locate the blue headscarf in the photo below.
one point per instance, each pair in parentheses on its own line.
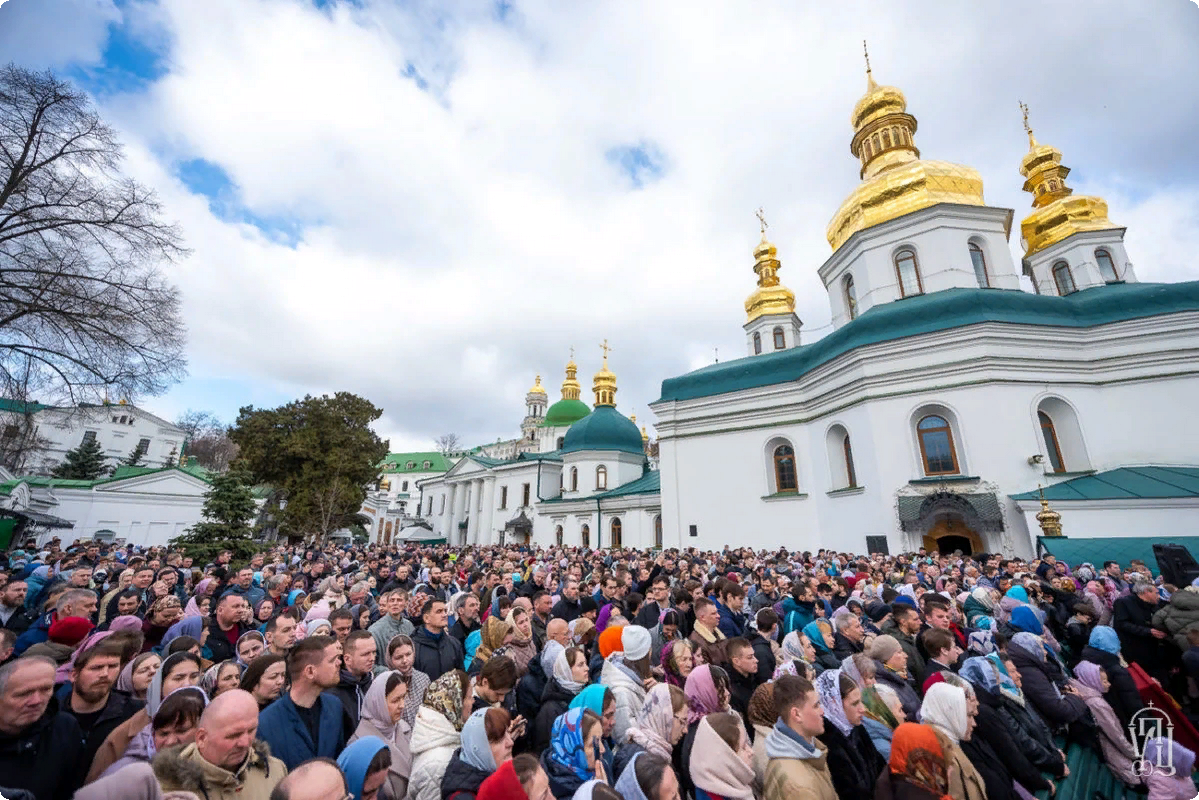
(591,697)
(476,750)
(1017,593)
(188,626)
(814,632)
(989,673)
(1031,644)
(354,761)
(472,644)
(566,744)
(1104,638)
(1023,619)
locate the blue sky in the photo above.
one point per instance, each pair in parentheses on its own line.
(431,204)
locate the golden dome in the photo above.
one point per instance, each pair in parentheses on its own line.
(537,387)
(644,435)
(770,297)
(895,180)
(1058,212)
(604,382)
(571,388)
(1049,520)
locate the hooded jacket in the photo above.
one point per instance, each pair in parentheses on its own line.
(461,781)
(796,771)
(1180,615)
(186,770)
(47,758)
(351,691)
(628,692)
(797,614)
(436,654)
(433,743)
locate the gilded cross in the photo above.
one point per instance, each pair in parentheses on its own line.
(866,53)
(762,219)
(572,352)
(605,348)
(1024,110)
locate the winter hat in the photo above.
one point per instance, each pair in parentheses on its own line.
(883,647)
(635,642)
(587,604)
(611,640)
(70,630)
(503,784)
(876,611)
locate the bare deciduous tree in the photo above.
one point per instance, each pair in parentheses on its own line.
(447,443)
(83,298)
(207,440)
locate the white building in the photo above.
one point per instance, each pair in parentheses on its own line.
(395,500)
(118,427)
(588,482)
(946,393)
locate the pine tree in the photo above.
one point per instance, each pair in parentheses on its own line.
(228,512)
(85,462)
(134,459)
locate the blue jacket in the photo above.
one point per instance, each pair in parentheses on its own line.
(37,633)
(730,622)
(280,726)
(796,615)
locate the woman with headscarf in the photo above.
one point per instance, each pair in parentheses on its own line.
(662,634)
(677,659)
(568,675)
(1175,785)
(164,612)
(366,766)
(575,754)
(220,678)
(918,765)
(625,674)
(891,670)
(852,759)
(883,713)
(188,626)
(708,692)
(436,734)
(1091,683)
(135,678)
(1024,758)
(521,649)
(820,634)
(1039,680)
(726,770)
(991,765)
(660,725)
(172,725)
(401,655)
(763,714)
(945,708)
(495,635)
(382,715)
(979,606)
(249,647)
(487,739)
(176,671)
(1103,649)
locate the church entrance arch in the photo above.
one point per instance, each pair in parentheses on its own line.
(949,533)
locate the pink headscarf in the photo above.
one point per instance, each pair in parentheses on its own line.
(702,697)
(127,622)
(63,673)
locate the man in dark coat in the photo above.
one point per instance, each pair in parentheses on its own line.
(90,698)
(41,748)
(226,627)
(567,608)
(743,676)
(1140,642)
(849,638)
(437,652)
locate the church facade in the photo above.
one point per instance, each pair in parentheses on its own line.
(946,394)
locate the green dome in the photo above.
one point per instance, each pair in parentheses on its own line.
(565,413)
(603,429)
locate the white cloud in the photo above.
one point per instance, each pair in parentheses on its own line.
(461,238)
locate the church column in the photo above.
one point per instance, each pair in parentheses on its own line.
(448,521)
(463,510)
(486,517)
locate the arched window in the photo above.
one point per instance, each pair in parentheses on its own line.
(574,479)
(601,477)
(908,273)
(1107,267)
(1049,434)
(757,343)
(887,138)
(980,266)
(851,297)
(561,441)
(842,474)
(784,469)
(936,446)
(585,535)
(658,531)
(780,341)
(558,535)
(615,540)
(1063,279)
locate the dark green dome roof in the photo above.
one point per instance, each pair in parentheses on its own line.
(603,429)
(565,413)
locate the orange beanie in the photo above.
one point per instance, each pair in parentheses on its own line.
(609,640)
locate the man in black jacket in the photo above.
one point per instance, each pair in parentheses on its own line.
(743,676)
(767,623)
(437,652)
(93,702)
(13,614)
(1140,642)
(468,618)
(41,748)
(358,662)
(850,638)
(568,607)
(226,627)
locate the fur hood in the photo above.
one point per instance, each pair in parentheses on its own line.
(185,769)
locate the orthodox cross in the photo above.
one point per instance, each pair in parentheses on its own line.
(866,53)
(762,219)
(605,348)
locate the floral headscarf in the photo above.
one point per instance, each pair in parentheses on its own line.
(829,687)
(918,757)
(654,722)
(212,675)
(981,643)
(1029,643)
(495,630)
(445,696)
(793,646)
(566,744)
(877,708)
(579,628)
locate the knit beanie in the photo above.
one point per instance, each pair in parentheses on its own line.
(586,604)
(70,630)
(635,642)
(883,647)
(876,611)
(610,641)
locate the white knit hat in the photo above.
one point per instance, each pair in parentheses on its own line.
(635,641)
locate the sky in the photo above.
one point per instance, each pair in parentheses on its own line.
(428,204)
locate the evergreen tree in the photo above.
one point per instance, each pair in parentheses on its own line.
(228,513)
(85,462)
(134,459)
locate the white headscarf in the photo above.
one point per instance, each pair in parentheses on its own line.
(549,655)
(945,708)
(564,676)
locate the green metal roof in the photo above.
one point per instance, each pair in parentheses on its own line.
(565,413)
(121,473)
(21,406)
(603,429)
(1117,548)
(397,463)
(930,313)
(649,483)
(1124,483)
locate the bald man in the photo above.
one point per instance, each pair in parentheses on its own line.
(225,760)
(319,779)
(557,630)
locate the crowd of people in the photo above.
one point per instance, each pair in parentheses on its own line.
(531,673)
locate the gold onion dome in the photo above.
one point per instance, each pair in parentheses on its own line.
(604,382)
(895,181)
(571,388)
(1049,520)
(770,297)
(1057,211)
(538,388)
